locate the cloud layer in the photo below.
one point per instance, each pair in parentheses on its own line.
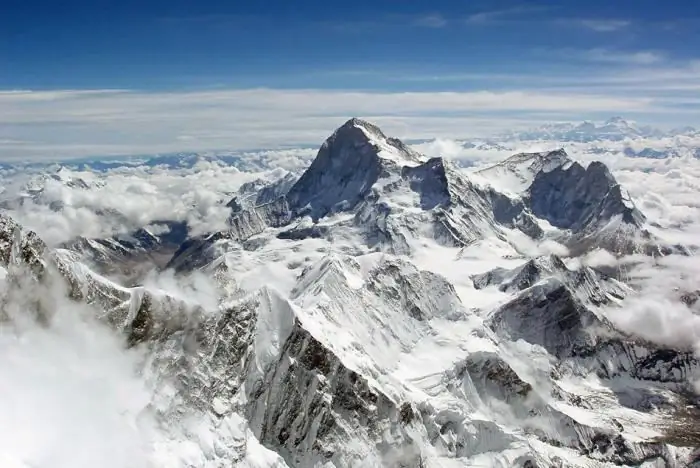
(138,196)
(49,125)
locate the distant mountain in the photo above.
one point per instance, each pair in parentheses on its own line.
(249,161)
(614,129)
(131,255)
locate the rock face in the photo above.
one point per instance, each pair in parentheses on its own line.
(361,358)
(581,199)
(587,205)
(550,315)
(117,254)
(397,196)
(429,181)
(564,193)
(261,192)
(318,403)
(589,284)
(346,168)
(517,173)
(19,247)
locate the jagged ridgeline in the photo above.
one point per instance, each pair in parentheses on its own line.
(389,196)
(361,358)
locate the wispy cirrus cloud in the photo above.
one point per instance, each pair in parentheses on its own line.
(644,85)
(643,57)
(433,20)
(603,25)
(430,20)
(505,14)
(622,59)
(78,123)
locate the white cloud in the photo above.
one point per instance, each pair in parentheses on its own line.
(73,395)
(434,20)
(59,124)
(644,57)
(503,14)
(599,258)
(139,195)
(627,79)
(70,394)
(605,25)
(194,288)
(657,313)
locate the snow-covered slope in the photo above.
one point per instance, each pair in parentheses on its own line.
(348,165)
(391,310)
(586,207)
(365,185)
(127,255)
(517,173)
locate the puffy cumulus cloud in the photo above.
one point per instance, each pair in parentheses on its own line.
(599,258)
(658,312)
(666,191)
(532,248)
(73,395)
(127,198)
(550,247)
(70,393)
(193,288)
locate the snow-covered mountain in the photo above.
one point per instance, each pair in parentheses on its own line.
(613,129)
(357,324)
(127,255)
(41,188)
(365,185)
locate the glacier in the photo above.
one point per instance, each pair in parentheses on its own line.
(379,309)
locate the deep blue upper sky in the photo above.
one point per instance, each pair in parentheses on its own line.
(175,44)
(223,74)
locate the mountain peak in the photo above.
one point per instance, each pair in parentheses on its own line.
(580,198)
(617,120)
(542,159)
(516,174)
(355,133)
(356,122)
(346,167)
(615,128)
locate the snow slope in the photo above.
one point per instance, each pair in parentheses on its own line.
(388,309)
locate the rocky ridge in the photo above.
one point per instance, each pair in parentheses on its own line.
(367,360)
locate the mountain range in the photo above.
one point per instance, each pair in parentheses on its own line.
(613,129)
(355,323)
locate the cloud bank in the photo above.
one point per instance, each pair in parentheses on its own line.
(50,125)
(125,199)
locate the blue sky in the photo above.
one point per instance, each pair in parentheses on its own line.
(638,58)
